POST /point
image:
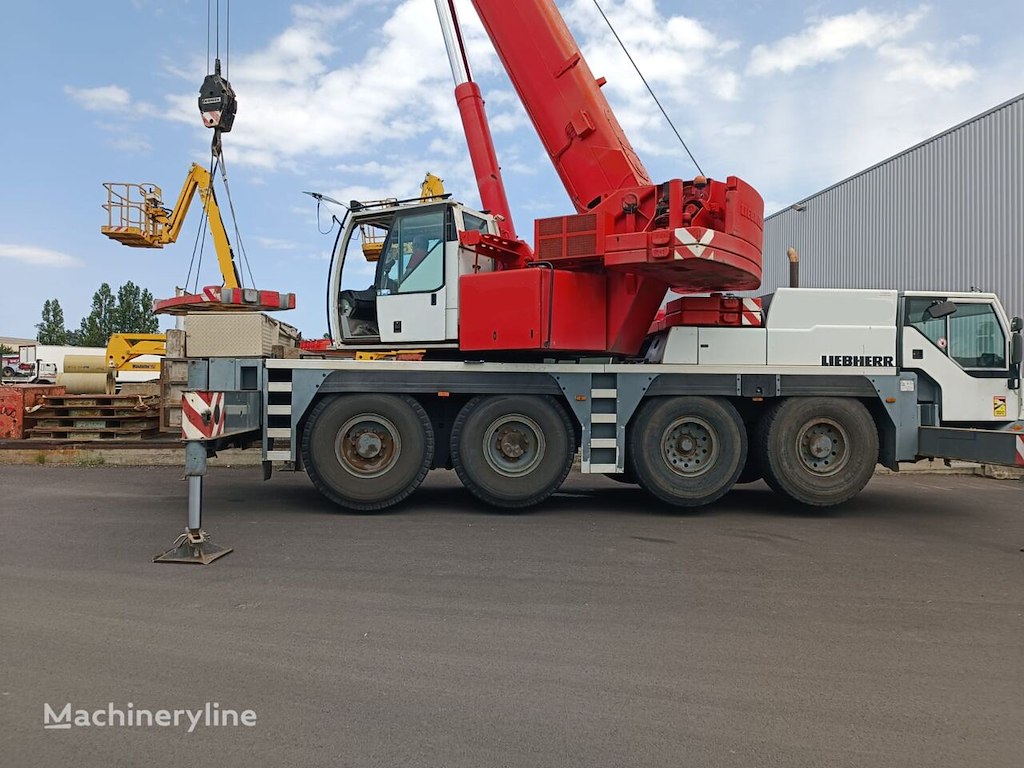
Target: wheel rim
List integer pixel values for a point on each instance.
(514, 445)
(823, 446)
(368, 445)
(689, 446)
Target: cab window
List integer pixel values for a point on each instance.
(972, 336)
(413, 256)
(472, 222)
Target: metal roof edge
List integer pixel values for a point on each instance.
(908, 150)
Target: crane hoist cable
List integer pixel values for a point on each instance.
(234, 218)
(218, 105)
(199, 245)
(217, 102)
(137, 217)
(647, 85)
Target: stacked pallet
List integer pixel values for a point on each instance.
(78, 418)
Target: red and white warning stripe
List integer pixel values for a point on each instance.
(750, 314)
(1020, 451)
(202, 415)
(696, 242)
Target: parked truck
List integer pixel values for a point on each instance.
(44, 362)
(477, 351)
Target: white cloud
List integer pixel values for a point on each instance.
(920, 65)
(687, 64)
(37, 257)
(297, 99)
(105, 98)
(356, 99)
(829, 39)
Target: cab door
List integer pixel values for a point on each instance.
(963, 345)
(411, 291)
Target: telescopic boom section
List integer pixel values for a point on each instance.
(474, 124)
(587, 145)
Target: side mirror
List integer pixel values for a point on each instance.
(1016, 349)
(1016, 325)
(940, 309)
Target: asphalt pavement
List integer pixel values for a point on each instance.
(599, 630)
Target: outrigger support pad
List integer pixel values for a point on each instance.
(194, 545)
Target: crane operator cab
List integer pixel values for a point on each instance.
(410, 255)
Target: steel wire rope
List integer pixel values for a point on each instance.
(234, 220)
(647, 85)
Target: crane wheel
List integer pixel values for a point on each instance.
(512, 451)
(367, 452)
(818, 451)
(687, 451)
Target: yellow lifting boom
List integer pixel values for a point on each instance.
(123, 348)
(137, 217)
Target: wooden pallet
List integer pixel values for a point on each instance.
(81, 418)
(133, 422)
(99, 401)
(85, 434)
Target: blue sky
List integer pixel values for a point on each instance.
(354, 99)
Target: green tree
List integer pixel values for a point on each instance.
(97, 326)
(6, 349)
(134, 310)
(51, 328)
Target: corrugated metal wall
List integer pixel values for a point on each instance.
(947, 214)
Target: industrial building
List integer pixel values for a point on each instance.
(946, 214)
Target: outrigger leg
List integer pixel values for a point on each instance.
(194, 545)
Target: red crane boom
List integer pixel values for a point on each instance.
(609, 266)
(572, 117)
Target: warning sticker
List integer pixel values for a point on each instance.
(999, 407)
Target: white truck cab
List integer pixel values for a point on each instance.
(410, 255)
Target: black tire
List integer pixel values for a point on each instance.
(8, 372)
(367, 452)
(818, 451)
(512, 451)
(687, 451)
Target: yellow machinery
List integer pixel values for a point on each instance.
(123, 348)
(372, 237)
(136, 217)
(432, 187)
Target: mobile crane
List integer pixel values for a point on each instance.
(533, 354)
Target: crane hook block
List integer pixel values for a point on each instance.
(217, 102)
